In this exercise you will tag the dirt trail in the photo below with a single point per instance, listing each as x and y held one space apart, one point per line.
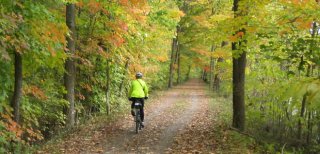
181 121
164 120
167 121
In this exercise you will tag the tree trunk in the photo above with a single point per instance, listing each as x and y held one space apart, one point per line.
188 73
302 111
17 94
123 78
178 58
204 75
108 88
238 71
310 125
238 76
303 107
69 76
211 71
217 80
171 71
304 99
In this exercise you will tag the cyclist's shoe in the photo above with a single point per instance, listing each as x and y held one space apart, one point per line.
142 125
132 113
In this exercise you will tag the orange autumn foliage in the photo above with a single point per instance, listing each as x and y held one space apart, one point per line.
303 24
162 58
201 51
12 126
206 68
87 87
35 91
94 6
18 131
116 40
236 36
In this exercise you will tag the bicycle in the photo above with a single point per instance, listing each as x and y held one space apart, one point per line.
137 118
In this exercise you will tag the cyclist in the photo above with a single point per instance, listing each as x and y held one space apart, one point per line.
138 92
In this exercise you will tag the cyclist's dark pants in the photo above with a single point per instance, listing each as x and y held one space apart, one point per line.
142 107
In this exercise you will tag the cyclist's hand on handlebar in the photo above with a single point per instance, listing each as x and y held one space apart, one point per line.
146 97
129 98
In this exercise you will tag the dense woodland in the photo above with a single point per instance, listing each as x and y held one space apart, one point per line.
63 61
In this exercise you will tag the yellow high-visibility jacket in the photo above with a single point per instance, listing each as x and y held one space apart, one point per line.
138 89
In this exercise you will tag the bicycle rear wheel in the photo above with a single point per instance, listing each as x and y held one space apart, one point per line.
138 121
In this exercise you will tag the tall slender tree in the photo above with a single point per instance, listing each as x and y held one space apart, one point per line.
172 59
211 71
239 64
178 61
126 66
108 70
17 93
217 80
69 77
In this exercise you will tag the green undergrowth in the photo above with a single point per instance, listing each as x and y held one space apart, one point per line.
85 126
227 140
92 123
231 141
